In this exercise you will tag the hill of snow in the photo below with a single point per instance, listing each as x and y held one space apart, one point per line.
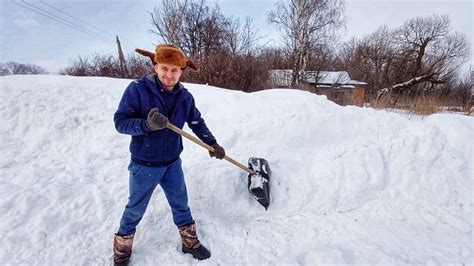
350 185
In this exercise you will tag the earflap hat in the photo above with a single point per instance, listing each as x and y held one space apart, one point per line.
168 54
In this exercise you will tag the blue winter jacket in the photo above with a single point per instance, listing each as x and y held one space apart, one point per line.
160 147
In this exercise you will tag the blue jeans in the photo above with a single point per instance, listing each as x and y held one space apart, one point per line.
143 181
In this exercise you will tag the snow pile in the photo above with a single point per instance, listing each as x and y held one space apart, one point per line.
349 185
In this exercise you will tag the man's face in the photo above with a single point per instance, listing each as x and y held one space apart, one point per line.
168 74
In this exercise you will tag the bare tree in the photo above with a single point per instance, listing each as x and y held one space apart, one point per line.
15 68
323 57
4 70
420 56
108 66
428 54
168 20
224 50
213 32
371 58
192 28
240 39
78 67
274 58
189 24
305 23
35 69
138 66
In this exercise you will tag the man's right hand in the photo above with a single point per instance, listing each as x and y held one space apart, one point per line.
155 120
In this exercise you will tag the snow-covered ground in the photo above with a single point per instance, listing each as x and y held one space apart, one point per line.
350 185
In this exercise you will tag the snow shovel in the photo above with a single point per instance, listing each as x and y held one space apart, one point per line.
258 169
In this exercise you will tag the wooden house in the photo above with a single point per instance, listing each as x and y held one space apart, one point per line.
336 85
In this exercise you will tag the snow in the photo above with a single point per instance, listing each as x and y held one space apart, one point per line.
256 181
349 185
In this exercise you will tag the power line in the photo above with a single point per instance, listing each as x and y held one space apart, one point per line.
83 22
69 22
76 18
59 19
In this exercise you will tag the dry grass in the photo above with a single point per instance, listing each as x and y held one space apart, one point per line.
424 105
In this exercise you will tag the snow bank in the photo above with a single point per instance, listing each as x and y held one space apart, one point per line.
350 185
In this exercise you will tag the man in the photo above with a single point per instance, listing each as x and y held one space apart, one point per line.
146 107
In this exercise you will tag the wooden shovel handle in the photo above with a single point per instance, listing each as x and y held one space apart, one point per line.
207 147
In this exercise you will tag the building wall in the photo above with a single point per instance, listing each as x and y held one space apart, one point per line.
343 96
358 96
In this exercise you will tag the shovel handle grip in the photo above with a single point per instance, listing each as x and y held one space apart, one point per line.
207 147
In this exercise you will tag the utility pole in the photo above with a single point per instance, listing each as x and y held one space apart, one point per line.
123 66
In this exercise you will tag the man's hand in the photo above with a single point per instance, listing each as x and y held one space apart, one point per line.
218 152
155 120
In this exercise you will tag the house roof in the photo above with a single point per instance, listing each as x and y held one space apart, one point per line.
283 77
327 77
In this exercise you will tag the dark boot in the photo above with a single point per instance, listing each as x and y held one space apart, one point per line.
122 249
191 243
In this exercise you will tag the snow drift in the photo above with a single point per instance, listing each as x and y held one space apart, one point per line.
350 185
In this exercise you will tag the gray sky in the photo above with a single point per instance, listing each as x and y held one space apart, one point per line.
28 37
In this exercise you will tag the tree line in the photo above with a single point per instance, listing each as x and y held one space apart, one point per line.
15 68
418 58
423 56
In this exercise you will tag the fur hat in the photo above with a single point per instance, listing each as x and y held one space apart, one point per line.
168 54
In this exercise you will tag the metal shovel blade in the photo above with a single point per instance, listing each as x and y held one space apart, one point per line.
259 183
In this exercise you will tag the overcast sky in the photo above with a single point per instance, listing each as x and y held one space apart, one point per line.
28 37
